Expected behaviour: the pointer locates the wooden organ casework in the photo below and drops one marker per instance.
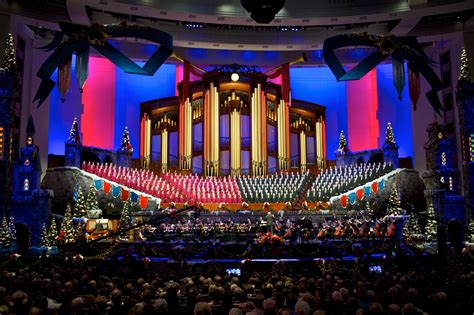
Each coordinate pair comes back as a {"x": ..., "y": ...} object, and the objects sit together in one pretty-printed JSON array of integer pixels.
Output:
[{"x": 219, "y": 127}]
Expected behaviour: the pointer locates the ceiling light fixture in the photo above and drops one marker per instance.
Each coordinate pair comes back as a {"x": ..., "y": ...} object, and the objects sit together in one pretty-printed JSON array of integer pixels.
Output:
[
  {"x": 263, "y": 11},
  {"x": 234, "y": 77}
]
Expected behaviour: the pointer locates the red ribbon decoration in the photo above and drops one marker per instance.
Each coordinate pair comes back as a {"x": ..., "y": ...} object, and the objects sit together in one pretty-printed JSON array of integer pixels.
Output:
[
  {"x": 143, "y": 202},
  {"x": 344, "y": 200},
  {"x": 124, "y": 194},
  {"x": 360, "y": 194},
  {"x": 107, "y": 187},
  {"x": 375, "y": 187}
]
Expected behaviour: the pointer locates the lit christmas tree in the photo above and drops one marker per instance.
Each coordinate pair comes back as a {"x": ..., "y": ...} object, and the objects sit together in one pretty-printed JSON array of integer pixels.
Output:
[
  {"x": 394, "y": 204},
  {"x": 431, "y": 225},
  {"x": 9, "y": 59},
  {"x": 342, "y": 141},
  {"x": 411, "y": 227},
  {"x": 368, "y": 209},
  {"x": 126, "y": 146},
  {"x": 464, "y": 72},
  {"x": 80, "y": 209},
  {"x": 67, "y": 228},
  {"x": 74, "y": 136},
  {"x": 389, "y": 138},
  {"x": 11, "y": 226},
  {"x": 125, "y": 219},
  {"x": 43, "y": 241},
  {"x": 5, "y": 235},
  {"x": 52, "y": 232},
  {"x": 91, "y": 202}
]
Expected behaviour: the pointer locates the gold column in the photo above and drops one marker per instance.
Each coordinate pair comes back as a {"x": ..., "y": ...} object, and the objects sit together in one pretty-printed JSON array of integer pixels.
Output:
[
  {"x": 211, "y": 132},
  {"x": 164, "y": 149},
  {"x": 235, "y": 141},
  {"x": 187, "y": 131},
  {"x": 303, "y": 151}
]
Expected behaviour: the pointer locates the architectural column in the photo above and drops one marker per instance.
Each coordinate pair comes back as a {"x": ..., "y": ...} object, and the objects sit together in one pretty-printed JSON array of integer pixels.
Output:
[
  {"x": 259, "y": 132},
  {"x": 283, "y": 130},
  {"x": 211, "y": 132},
  {"x": 185, "y": 128},
  {"x": 235, "y": 141}
]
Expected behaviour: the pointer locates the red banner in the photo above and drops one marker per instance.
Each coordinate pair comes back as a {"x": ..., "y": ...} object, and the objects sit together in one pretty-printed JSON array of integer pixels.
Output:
[
  {"x": 143, "y": 202},
  {"x": 107, "y": 187},
  {"x": 124, "y": 194}
]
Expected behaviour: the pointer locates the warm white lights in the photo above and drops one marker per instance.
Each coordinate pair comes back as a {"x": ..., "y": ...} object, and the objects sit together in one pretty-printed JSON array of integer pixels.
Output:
[{"x": 235, "y": 77}]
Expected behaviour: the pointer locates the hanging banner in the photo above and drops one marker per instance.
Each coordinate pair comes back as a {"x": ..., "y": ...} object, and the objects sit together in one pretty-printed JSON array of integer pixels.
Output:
[
  {"x": 375, "y": 187},
  {"x": 352, "y": 198},
  {"x": 124, "y": 194},
  {"x": 367, "y": 191},
  {"x": 343, "y": 201},
  {"x": 98, "y": 184},
  {"x": 398, "y": 73},
  {"x": 64, "y": 78},
  {"x": 414, "y": 89},
  {"x": 82, "y": 66},
  {"x": 360, "y": 194},
  {"x": 107, "y": 187},
  {"x": 143, "y": 202},
  {"x": 115, "y": 191},
  {"x": 381, "y": 184},
  {"x": 133, "y": 197}
]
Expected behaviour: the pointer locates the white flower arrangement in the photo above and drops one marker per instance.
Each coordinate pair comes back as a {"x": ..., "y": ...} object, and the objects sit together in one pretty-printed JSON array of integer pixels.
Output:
[{"x": 245, "y": 205}]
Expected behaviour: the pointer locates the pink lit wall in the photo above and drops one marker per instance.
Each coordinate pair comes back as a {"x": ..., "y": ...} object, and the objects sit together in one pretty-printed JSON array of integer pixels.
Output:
[
  {"x": 362, "y": 106},
  {"x": 97, "y": 123}
]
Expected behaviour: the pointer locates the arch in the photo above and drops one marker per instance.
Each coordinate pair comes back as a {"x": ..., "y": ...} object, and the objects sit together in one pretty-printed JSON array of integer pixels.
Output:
[
  {"x": 376, "y": 158},
  {"x": 87, "y": 156}
]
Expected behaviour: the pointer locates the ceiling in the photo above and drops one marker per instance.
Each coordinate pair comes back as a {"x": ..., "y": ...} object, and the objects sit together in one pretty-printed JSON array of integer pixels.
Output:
[{"x": 212, "y": 30}]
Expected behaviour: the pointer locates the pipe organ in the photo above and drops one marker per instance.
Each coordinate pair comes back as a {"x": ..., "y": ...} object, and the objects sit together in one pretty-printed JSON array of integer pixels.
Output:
[{"x": 219, "y": 127}]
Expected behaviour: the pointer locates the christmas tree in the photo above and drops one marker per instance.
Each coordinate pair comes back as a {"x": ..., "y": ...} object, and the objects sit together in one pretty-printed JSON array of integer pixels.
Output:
[
  {"x": 9, "y": 60},
  {"x": 43, "y": 241},
  {"x": 11, "y": 226},
  {"x": 126, "y": 146},
  {"x": 52, "y": 233},
  {"x": 67, "y": 228},
  {"x": 389, "y": 138},
  {"x": 411, "y": 227},
  {"x": 80, "y": 208},
  {"x": 92, "y": 203},
  {"x": 394, "y": 204},
  {"x": 5, "y": 235},
  {"x": 74, "y": 136},
  {"x": 125, "y": 219},
  {"x": 368, "y": 209},
  {"x": 342, "y": 141},
  {"x": 431, "y": 225},
  {"x": 464, "y": 72}
]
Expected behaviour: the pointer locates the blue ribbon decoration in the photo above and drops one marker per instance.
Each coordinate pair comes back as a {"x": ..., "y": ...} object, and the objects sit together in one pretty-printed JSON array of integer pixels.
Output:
[
  {"x": 133, "y": 197},
  {"x": 81, "y": 37},
  {"x": 367, "y": 191},
  {"x": 98, "y": 184},
  {"x": 400, "y": 48},
  {"x": 381, "y": 184},
  {"x": 115, "y": 191},
  {"x": 352, "y": 198}
]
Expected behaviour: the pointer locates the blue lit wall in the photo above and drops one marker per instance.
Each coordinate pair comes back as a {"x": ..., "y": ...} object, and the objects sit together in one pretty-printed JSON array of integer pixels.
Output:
[
  {"x": 130, "y": 91},
  {"x": 318, "y": 85},
  {"x": 62, "y": 114},
  {"x": 393, "y": 110}
]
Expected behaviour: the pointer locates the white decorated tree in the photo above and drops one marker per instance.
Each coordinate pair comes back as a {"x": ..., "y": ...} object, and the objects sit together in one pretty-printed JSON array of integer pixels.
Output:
[
  {"x": 125, "y": 219},
  {"x": 11, "y": 226},
  {"x": 431, "y": 225},
  {"x": 389, "y": 137},
  {"x": 52, "y": 232},
  {"x": 74, "y": 135},
  {"x": 126, "y": 145},
  {"x": 411, "y": 227},
  {"x": 5, "y": 234},
  {"x": 9, "y": 59},
  {"x": 464, "y": 72},
  {"x": 43, "y": 241},
  {"x": 80, "y": 205},
  {"x": 91, "y": 202},
  {"x": 394, "y": 207},
  {"x": 67, "y": 226},
  {"x": 342, "y": 141}
]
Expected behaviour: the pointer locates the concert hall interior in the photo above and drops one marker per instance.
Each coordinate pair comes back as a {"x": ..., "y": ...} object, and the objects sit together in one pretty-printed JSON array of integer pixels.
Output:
[{"x": 230, "y": 138}]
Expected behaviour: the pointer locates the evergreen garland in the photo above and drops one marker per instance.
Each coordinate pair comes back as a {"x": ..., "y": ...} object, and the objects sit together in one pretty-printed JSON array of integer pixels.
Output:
[
  {"x": 9, "y": 59},
  {"x": 464, "y": 72},
  {"x": 52, "y": 232},
  {"x": 74, "y": 136},
  {"x": 5, "y": 235},
  {"x": 67, "y": 228},
  {"x": 91, "y": 202},
  {"x": 125, "y": 219},
  {"x": 431, "y": 225},
  {"x": 43, "y": 241},
  {"x": 126, "y": 146},
  {"x": 389, "y": 138},
  {"x": 394, "y": 204}
]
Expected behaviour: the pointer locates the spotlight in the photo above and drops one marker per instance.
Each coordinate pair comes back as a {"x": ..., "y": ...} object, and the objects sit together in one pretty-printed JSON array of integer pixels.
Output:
[
  {"x": 234, "y": 77},
  {"x": 263, "y": 11}
]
